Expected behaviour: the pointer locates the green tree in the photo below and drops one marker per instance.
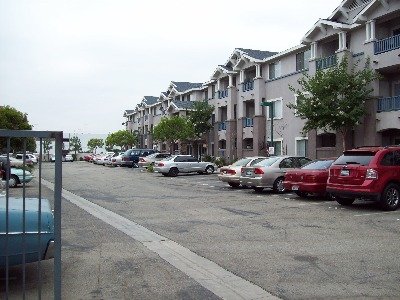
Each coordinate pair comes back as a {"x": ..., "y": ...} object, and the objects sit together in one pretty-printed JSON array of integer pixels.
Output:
[
  {"x": 334, "y": 98},
  {"x": 200, "y": 117},
  {"x": 75, "y": 145},
  {"x": 121, "y": 138},
  {"x": 173, "y": 129},
  {"x": 47, "y": 146},
  {"x": 93, "y": 144},
  {"x": 13, "y": 119}
]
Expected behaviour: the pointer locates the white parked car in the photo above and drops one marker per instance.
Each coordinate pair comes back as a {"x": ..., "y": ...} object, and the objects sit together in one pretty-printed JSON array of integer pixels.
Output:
[
  {"x": 176, "y": 164},
  {"x": 116, "y": 160},
  {"x": 28, "y": 157},
  {"x": 69, "y": 158}
]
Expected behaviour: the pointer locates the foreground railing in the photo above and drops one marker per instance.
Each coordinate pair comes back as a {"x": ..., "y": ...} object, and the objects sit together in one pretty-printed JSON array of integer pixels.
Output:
[
  {"x": 326, "y": 62},
  {"x": 29, "y": 231},
  {"x": 388, "y": 104},
  {"x": 388, "y": 44}
]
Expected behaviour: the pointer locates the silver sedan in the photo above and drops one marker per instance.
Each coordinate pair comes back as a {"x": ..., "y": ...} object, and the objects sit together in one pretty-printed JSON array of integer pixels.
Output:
[
  {"x": 270, "y": 172},
  {"x": 176, "y": 164},
  {"x": 231, "y": 173}
]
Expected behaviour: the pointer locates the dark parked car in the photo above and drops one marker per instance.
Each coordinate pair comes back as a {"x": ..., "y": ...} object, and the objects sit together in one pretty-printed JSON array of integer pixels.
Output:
[
  {"x": 310, "y": 179},
  {"x": 370, "y": 173},
  {"x": 131, "y": 157}
]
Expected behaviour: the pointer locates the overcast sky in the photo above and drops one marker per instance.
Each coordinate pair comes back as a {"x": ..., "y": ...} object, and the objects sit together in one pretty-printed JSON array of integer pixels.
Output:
[{"x": 77, "y": 65}]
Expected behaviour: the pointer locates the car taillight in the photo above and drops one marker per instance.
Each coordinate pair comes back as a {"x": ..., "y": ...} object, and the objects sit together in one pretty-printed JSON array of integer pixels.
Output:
[
  {"x": 258, "y": 171},
  {"x": 142, "y": 159},
  {"x": 242, "y": 170},
  {"x": 160, "y": 164},
  {"x": 371, "y": 174},
  {"x": 231, "y": 172}
]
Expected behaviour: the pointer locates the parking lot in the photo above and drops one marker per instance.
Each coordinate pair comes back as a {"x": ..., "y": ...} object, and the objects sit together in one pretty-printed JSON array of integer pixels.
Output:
[{"x": 292, "y": 248}]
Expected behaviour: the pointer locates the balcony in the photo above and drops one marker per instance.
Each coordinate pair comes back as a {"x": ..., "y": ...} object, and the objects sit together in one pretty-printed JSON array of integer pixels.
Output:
[
  {"x": 248, "y": 122},
  {"x": 388, "y": 44},
  {"x": 247, "y": 86},
  {"x": 221, "y": 126},
  {"x": 326, "y": 62},
  {"x": 222, "y": 94},
  {"x": 388, "y": 104}
]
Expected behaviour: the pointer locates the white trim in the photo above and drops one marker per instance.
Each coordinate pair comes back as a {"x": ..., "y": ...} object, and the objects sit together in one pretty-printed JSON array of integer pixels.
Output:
[
  {"x": 275, "y": 100},
  {"x": 299, "y": 138}
]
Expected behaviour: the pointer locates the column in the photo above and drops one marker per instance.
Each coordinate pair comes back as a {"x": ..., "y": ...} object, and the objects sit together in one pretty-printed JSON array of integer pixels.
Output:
[
  {"x": 313, "y": 51},
  {"x": 258, "y": 71},
  {"x": 241, "y": 76},
  {"x": 230, "y": 80},
  {"x": 372, "y": 25}
]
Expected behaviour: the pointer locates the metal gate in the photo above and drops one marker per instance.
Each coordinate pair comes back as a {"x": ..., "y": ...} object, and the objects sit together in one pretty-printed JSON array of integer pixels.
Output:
[{"x": 30, "y": 231}]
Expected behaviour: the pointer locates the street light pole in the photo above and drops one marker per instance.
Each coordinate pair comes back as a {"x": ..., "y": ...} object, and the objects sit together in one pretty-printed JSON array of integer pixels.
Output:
[{"x": 271, "y": 115}]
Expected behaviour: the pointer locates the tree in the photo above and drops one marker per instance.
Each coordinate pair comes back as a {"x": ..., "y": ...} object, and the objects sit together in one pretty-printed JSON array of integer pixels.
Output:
[
  {"x": 47, "y": 146},
  {"x": 13, "y": 119},
  {"x": 75, "y": 145},
  {"x": 200, "y": 117},
  {"x": 334, "y": 98},
  {"x": 93, "y": 144},
  {"x": 173, "y": 129},
  {"x": 121, "y": 138}
]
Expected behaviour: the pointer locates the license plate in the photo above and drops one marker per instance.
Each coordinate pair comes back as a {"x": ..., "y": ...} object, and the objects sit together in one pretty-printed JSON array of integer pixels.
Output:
[
  {"x": 248, "y": 173},
  {"x": 295, "y": 188},
  {"x": 344, "y": 172}
]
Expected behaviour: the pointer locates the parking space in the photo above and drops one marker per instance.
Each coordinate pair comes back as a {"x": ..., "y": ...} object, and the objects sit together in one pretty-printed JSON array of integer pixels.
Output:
[{"x": 291, "y": 247}]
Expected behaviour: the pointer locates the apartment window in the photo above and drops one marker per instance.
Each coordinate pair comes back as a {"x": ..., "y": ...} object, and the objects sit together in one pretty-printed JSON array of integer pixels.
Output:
[
  {"x": 274, "y": 70},
  {"x": 212, "y": 91},
  {"x": 188, "y": 97},
  {"x": 206, "y": 94},
  {"x": 277, "y": 104},
  {"x": 302, "y": 59},
  {"x": 326, "y": 140},
  {"x": 301, "y": 146}
]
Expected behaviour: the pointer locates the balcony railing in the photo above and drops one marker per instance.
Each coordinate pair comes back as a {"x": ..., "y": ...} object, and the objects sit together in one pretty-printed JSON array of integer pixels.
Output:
[
  {"x": 221, "y": 126},
  {"x": 388, "y": 104},
  {"x": 247, "y": 122},
  {"x": 248, "y": 86},
  {"x": 326, "y": 62},
  {"x": 222, "y": 94},
  {"x": 388, "y": 44}
]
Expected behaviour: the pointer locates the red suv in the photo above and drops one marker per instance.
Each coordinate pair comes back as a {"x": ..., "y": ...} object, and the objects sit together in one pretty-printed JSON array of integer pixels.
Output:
[{"x": 370, "y": 173}]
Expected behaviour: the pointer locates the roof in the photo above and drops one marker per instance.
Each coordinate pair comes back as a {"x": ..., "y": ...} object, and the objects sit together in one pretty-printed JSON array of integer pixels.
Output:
[
  {"x": 128, "y": 112},
  {"x": 185, "y": 86},
  {"x": 150, "y": 100},
  {"x": 257, "y": 54},
  {"x": 182, "y": 105}
]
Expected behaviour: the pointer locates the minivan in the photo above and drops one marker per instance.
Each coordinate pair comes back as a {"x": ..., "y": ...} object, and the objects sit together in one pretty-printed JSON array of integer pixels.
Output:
[{"x": 131, "y": 157}]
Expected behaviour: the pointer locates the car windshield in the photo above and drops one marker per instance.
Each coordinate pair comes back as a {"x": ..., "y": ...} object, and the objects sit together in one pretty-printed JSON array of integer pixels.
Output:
[
  {"x": 135, "y": 152},
  {"x": 355, "y": 158},
  {"x": 241, "y": 162},
  {"x": 318, "y": 165},
  {"x": 267, "y": 162}
]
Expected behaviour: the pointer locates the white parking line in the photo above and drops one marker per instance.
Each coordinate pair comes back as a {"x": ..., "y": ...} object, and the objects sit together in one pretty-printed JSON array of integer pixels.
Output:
[
  {"x": 211, "y": 276},
  {"x": 377, "y": 213}
]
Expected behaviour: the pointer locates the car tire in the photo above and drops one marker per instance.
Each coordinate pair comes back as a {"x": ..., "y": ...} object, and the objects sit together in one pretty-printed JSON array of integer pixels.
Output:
[
  {"x": 209, "y": 170},
  {"x": 173, "y": 172},
  {"x": 344, "y": 201},
  {"x": 278, "y": 185},
  {"x": 390, "y": 198},
  {"x": 301, "y": 194},
  {"x": 258, "y": 189},
  {"x": 12, "y": 183},
  {"x": 235, "y": 185}
]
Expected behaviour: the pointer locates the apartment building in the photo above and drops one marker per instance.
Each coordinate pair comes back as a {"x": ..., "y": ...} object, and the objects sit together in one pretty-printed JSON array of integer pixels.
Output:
[{"x": 357, "y": 29}]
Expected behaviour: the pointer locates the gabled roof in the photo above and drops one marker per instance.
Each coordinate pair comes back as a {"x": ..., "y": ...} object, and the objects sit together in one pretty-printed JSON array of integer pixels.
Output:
[
  {"x": 149, "y": 100},
  {"x": 182, "y": 105},
  {"x": 128, "y": 112},
  {"x": 181, "y": 87},
  {"x": 371, "y": 6},
  {"x": 321, "y": 25},
  {"x": 256, "y": 54}
]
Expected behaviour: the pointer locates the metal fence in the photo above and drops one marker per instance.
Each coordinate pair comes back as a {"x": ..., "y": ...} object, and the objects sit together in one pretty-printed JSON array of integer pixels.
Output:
[{"x": 29, "y": 231}]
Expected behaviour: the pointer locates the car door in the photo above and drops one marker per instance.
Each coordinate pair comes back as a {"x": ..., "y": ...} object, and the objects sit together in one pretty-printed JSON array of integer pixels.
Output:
[
  {"x": 194, "y": 165},
  {"x": 287, "y": 164},
  {"x": 181, "y": 163}
]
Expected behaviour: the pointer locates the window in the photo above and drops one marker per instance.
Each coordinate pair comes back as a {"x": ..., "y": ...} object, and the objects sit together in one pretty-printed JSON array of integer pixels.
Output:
[
  {"x": 274, "y": 70},
  {"x": 248, "y": 144},
  {"x": 277, "y": 108},
  {"x": 301, "y": 146},
  {"x": 188, "y": 97},
  {"x": 302, "y": 59},
  {"x": 212, "y": 91},
  {"x": 206, "y": 94},
  {"x": 287, "y": 163},
  {"x": 387, "y": 160},
  {"x": 256, "y": 161},
  {"x": 277, "y": 144},
  {"x": 326, "y": 140},
  {"x": 192, "y": 159}
]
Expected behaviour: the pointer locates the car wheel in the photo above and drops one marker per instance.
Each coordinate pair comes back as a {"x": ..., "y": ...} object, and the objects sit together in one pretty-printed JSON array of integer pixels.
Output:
[
  {"x": 344, "y": 201},
  {"x": 278, "y": 185},
  {"x": 209, "y": 170},
  {"x": 13, "y": 181},
  {"x": 302, "y": 194},
  {"x": 390, "y": 198},
  {"x": 173, "y": 172},
  {"x": 258, "y": 189},
  {"x": 234, "y": 184}
]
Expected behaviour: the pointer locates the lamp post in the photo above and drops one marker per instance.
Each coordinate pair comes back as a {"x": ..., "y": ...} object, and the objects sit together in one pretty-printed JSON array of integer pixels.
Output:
[{"x": 271, "y": 115}]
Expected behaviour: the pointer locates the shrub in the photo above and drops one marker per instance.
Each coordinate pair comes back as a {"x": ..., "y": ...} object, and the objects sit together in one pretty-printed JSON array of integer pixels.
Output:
[
  {"x": 220, "y": 161},
  {"x": 150, "y": 168}
]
